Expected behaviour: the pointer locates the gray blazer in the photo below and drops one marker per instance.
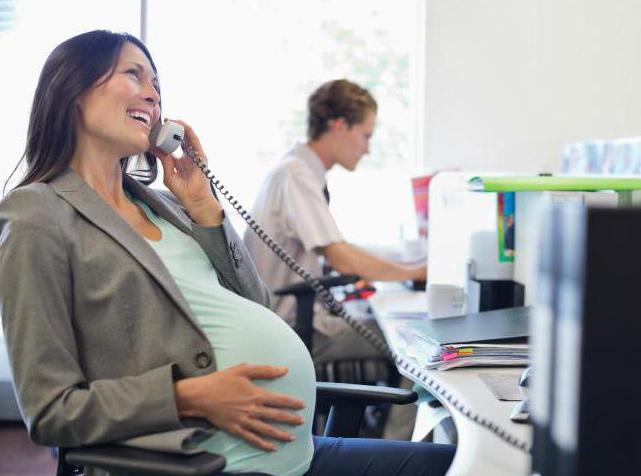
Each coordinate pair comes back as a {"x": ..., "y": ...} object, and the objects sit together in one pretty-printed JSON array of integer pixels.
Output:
[{"x": 96, "y": 329}]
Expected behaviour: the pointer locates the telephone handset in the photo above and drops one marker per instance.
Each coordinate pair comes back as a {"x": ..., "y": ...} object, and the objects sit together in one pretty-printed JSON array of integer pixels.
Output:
[
  {"x": 167, "y": 136},
  {"x": 170, "y": 135}
]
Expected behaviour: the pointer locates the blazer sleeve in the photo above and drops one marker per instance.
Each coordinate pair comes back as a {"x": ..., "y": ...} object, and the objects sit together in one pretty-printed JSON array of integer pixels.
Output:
[
  {"x": 59, "y": 406},
  {"x": 230, "y": 257}
]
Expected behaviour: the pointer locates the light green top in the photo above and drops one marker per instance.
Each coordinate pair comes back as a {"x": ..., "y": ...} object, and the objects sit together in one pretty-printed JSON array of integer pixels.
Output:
[
  {"x": 527, "y": 183},
  {"x": 241, "y": 331}
]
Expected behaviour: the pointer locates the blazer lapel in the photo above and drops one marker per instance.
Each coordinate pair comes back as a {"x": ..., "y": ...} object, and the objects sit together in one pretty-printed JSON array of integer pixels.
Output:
[{"x": 75, "y": 191}]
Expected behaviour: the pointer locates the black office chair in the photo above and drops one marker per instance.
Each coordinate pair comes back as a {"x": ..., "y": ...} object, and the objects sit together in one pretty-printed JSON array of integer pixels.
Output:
[
  {"x": 361, "y": 371},
  {"x": 372, "y": 371},
  {"x": 347, "y": 402}
]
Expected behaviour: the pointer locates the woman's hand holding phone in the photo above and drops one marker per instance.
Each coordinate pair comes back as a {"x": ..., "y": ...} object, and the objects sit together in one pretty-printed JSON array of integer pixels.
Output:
[{"x": 187, "y": 182}]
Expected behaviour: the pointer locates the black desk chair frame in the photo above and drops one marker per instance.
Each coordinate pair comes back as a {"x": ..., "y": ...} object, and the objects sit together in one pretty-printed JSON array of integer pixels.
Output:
[
  {"x": 347, "y": 402},
  {"x": 345, "y": 371},
  {"x": 305, "y": 297}
]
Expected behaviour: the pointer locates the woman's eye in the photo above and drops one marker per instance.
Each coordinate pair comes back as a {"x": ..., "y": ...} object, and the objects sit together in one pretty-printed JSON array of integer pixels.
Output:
[{"x": 133, "y": 72}]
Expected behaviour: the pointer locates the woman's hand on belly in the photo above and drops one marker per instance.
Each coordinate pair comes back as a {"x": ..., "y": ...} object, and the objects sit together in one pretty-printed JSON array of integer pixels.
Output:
[{"x": 230, "y": 401}]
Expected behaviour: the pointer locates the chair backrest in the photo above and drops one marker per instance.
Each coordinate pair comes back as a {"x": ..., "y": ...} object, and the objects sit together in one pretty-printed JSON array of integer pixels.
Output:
[
  {"x": 305, "y": 297},
  {"x": 361, "y": 371}
]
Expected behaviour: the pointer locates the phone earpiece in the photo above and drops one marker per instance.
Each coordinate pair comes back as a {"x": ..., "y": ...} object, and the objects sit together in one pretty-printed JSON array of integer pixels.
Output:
[{"x": 167, "y": 137}]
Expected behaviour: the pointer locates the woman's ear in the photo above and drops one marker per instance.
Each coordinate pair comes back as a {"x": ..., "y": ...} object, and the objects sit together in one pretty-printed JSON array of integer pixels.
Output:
[{"x": 77, "y": 113}]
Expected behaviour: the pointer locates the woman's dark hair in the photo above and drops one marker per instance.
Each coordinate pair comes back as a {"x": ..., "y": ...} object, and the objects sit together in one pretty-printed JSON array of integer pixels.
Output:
[
  {"x": 336, "y": 99},
  {"x": 72, "y": 68}
]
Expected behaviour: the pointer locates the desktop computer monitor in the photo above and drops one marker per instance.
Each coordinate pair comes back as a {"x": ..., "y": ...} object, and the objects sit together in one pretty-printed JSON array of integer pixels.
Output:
[{"x": 586, "y": 384}]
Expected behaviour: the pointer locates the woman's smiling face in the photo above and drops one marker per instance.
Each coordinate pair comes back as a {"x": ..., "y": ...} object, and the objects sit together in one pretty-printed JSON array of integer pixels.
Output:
[{"x": 120, "y": 110}]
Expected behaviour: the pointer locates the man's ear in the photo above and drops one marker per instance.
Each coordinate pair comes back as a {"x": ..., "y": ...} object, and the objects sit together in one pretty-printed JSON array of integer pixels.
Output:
[{"x": 337, "y": 124}]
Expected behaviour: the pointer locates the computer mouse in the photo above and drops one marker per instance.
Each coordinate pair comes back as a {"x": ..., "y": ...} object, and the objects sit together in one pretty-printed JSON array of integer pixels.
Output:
[{"x": 524, "y": 379}]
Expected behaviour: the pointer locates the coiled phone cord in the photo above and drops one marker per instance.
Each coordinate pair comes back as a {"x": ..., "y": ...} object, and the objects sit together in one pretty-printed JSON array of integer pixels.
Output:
[{"x": 337, "y": 308}]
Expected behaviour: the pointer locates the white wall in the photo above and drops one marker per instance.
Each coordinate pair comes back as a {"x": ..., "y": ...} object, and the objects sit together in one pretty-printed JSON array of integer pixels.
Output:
[{"x": 509, "y": 82}]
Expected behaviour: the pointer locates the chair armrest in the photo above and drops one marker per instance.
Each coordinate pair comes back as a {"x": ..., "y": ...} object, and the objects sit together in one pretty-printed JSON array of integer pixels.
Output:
[
  {"x": 347, "y": 393},
  {"x": 327, "y": 281},
  {"x": 348, "y": 402},
  {"x": 123, "y": 458}
]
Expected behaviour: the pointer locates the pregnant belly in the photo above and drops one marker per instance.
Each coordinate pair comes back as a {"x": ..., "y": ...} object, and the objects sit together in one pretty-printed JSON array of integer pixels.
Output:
[{"x": 262, "y": 338}]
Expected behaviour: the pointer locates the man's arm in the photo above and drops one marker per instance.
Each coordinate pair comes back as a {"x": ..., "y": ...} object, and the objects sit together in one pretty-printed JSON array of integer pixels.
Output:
[{"x": 350, "y": 259}]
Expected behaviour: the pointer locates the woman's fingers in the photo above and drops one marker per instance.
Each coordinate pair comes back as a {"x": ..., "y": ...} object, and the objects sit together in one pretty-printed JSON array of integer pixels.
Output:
[
  {"x": 266, "y": 430},
  {"x": 166, "y": 160},
  {"x": 232, "y": 402},
  {"x": 260, "y": 371},
  {"x": 271, "y": 399},
  {"x": 280, "y": 416},
  {"x": 255, "y": 432},
  {"x": 191, "y": 139},
  {"x": 184, "y": 165},
  {"x": 252, "y": 438}
]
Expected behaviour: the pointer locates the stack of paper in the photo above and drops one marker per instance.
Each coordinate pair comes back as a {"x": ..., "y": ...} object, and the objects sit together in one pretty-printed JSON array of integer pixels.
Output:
[
  {"x": 456, "y": 342},
  {"x": 466, "y": 355}
]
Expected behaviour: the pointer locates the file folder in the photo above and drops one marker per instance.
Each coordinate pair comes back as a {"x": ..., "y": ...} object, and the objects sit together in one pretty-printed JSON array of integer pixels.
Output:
[{"x": 502, "y": 325}]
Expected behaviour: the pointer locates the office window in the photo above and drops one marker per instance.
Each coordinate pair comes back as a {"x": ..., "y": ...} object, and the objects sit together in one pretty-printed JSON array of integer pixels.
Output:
[
  {"x": 29, "y": 30},
  {"x": 240, "y": 72}
]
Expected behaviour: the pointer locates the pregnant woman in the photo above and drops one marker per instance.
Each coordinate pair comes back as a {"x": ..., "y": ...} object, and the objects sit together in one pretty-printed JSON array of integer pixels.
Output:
[{"x": 136, "y": 313}]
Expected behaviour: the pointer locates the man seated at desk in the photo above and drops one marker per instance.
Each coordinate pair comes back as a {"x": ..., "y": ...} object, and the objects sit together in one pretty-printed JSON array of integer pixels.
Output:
[{"x": 292, "y": 206}]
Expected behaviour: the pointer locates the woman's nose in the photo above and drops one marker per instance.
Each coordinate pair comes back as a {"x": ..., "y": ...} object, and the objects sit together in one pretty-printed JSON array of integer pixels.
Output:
[{"x": 151, "y": 94}]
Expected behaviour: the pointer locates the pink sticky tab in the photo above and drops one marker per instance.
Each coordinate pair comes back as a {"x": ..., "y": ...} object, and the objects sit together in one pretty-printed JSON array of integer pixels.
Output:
[{"x": 449, "y": 355}]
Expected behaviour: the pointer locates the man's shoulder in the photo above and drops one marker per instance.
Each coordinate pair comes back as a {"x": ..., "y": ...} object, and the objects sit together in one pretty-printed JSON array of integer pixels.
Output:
[{"x": 293, "y": 165}]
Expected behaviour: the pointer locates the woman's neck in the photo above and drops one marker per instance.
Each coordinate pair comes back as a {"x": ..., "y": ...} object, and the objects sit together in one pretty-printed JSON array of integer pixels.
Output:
[{"x": 104, "y": 175}]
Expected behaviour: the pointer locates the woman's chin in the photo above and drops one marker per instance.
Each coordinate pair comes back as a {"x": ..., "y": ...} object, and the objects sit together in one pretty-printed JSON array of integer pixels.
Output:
[{"x": 139, "y": 147}]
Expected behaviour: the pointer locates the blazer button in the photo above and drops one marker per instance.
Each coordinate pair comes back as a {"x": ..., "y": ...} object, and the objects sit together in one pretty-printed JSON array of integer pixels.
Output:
[{"x": 203, "y": 360}]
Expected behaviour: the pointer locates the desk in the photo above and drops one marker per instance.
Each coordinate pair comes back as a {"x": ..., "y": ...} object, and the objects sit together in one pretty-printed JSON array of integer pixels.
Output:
[{"x": 479, "y": 451}]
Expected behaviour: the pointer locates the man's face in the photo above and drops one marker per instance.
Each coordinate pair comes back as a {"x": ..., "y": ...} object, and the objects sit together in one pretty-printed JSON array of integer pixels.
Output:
[{"x": 352, "y": 142}]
